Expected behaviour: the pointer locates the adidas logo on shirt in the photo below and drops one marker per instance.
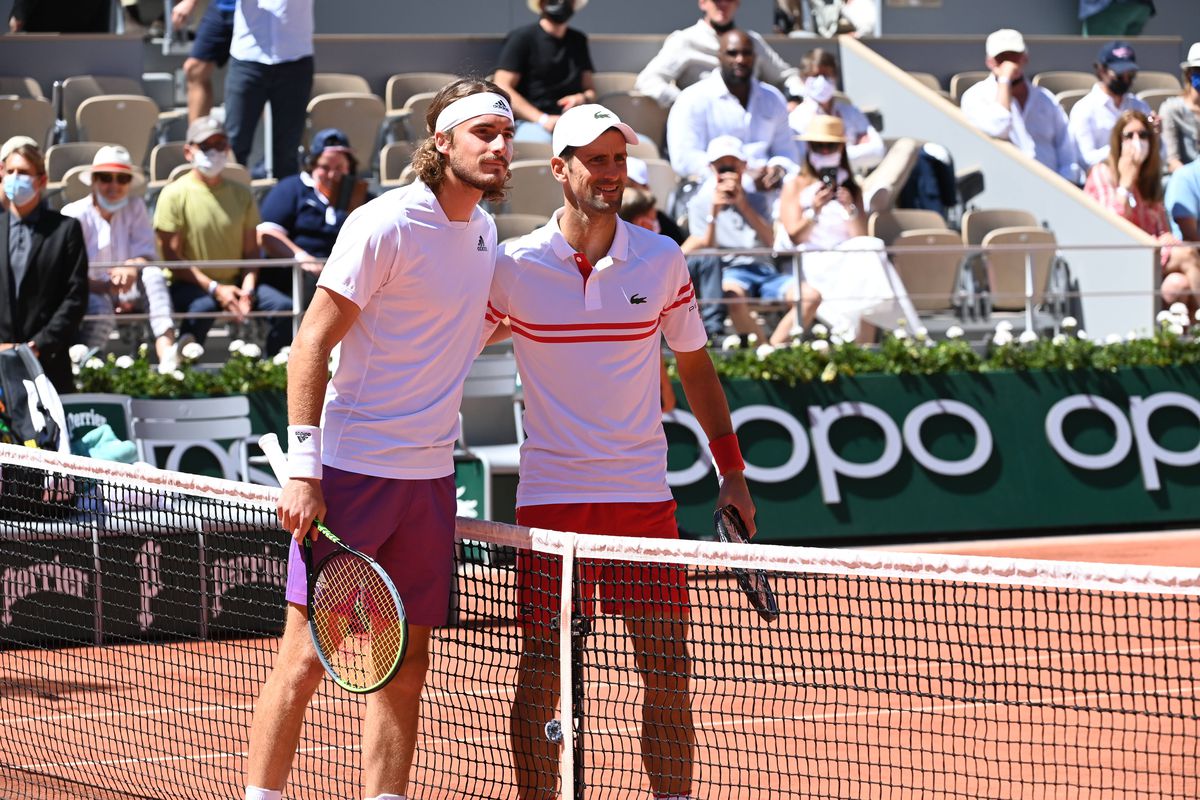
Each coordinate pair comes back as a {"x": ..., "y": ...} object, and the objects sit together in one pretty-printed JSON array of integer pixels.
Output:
[{"x": 482, "y": 246}]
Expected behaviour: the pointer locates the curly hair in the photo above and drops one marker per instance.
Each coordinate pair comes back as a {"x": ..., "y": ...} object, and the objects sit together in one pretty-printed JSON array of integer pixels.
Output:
[{"x": 429, "y": 164}]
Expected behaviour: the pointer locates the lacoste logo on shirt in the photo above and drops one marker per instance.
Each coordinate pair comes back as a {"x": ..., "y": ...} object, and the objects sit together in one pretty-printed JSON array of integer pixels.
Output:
[
  {"x": 481, "y": 247},
  {"x": 303, "y": 436},
  {"x": 636, "y": 299}
]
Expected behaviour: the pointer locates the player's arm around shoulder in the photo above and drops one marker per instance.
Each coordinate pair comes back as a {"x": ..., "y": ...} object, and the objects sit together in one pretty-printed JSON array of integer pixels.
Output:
[{"x": 706, "y": 399}]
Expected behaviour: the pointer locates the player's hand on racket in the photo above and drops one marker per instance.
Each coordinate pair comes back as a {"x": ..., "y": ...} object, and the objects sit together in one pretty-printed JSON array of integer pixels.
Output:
[
  {"x": 300, "y": 503},
  {"x": 734, "y": 492}
]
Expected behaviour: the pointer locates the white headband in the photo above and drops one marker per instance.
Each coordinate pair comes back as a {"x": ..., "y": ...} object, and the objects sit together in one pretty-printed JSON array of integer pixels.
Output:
[{"x": 471, "y": 106}]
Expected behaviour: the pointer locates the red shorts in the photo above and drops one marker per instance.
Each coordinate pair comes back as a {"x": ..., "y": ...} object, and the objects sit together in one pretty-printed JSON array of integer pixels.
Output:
[{"x": 627, "y": 588}]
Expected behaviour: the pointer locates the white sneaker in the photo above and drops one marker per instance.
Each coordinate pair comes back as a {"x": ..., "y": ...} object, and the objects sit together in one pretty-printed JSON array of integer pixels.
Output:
[{"x": 169, "y": 361}]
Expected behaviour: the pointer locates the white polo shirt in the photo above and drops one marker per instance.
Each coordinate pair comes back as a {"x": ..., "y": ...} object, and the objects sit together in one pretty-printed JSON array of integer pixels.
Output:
[
  {"x": 1092, "y": 119},
  {"x": 588, "y": 353},
  {"x": 421, "y": 282}
]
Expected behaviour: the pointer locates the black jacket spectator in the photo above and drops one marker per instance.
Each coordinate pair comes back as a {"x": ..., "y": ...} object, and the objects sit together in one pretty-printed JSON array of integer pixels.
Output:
[
  {"x": 49, "y": 306},
  {"x": 60, "y": 16}
]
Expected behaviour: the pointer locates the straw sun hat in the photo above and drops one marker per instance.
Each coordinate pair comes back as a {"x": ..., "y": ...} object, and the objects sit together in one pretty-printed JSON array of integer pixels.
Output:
[{"x": 824, "y": 129}]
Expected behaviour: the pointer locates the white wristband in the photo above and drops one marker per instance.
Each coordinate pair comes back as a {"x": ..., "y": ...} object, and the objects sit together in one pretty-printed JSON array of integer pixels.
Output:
[{"x": 304, "y": 451}]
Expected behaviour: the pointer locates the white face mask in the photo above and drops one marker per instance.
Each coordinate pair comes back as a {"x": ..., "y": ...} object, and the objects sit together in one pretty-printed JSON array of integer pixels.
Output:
[
  {"x": 819, "y": 88},
  {"x": 210, "y": 164},
  {"x": 110, "y": 206},
  {"x": 1139, "y": 148},
  {"x": 824, "y": 160}
]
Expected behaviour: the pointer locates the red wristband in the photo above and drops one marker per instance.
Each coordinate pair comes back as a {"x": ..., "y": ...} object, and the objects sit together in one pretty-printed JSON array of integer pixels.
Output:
[{"x": 727, "y": 454}]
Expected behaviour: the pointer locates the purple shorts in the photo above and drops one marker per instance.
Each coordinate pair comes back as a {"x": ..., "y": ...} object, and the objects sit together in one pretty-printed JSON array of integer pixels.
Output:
[{"x": 405, "y": 525}]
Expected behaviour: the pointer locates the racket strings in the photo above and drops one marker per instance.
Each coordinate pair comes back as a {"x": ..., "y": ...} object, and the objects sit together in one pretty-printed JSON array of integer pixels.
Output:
[{"x": 357, "y": 626}]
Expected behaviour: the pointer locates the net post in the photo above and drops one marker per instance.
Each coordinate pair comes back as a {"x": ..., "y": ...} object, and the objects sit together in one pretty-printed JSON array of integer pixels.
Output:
[{"x": 566, "y": 764}]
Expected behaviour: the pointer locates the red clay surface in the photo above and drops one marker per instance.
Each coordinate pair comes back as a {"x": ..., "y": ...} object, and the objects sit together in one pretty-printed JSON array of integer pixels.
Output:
[{"x": 863, "y": 696}]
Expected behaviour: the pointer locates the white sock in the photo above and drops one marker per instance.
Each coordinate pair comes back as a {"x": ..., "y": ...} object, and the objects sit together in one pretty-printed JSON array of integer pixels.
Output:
[{"x": 255, "y": 793}]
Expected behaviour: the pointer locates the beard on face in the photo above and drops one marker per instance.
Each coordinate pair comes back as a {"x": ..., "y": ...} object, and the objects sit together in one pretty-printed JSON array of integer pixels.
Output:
[
  {"x": 592, "y": 202},
  {"x": 472, "y": 174}
]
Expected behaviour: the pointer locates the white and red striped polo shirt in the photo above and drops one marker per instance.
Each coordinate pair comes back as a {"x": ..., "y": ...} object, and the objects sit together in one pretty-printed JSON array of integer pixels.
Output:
[{"x": 587, "y": 342}]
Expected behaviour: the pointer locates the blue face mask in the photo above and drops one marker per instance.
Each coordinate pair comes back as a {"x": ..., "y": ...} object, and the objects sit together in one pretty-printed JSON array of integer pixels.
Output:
[
  {"x": 109, "y": 206},
  {"x": 1196, "y": 81},
  {"x": 19, "y": 189}
]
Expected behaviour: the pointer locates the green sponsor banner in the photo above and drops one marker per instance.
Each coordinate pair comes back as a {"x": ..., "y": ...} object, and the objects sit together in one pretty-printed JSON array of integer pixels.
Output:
[{"x": 910, "y": 456}]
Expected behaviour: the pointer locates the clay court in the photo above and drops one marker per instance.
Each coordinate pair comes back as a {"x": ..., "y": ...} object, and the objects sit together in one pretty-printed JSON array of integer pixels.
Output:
[{"x": 880, "y": 688}]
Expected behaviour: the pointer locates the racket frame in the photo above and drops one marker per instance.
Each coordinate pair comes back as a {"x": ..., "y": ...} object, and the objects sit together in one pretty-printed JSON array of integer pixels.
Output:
[{"x": 761, "y": 596}]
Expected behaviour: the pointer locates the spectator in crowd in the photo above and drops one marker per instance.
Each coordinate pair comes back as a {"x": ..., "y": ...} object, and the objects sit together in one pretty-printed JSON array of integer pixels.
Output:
[
  {"x": 821, "y": 208},
  {"x": 722, "y": 214},
  {"x": 12, "y": 144},
  {"x": 1095, "y": 113},
  {"x": 203, "y": 217},
  {"x": 546, "y": 69},
  {"x": 820, "y": 70},
  {"x": 117, "y": 230},
  {"x": 1114, "y": 17},
  {"x": 732, "y": 102},
  {"x": 691, "y": 53},
  {"x": 1007, "y": 106},
  {"x": 1181, "y": 115},
  {"x": 271, "y": 61},
  {"x": 60, "y": 16},
  {"x": 302, "y": 214},
  {"x": 638, "y": 177},
  {"x": 43, "y": 269},
  {"x": 210, "y": 50},
  {"x": 1183, "y": 210},
  {"x": 1128, "y": 183}
]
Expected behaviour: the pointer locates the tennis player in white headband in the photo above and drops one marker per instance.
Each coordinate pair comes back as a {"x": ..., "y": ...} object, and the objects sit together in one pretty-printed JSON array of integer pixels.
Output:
[{"x": 404, "y": 293}]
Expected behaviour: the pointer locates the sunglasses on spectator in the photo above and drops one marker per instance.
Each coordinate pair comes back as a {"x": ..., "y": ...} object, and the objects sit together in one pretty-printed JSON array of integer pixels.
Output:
[
  {"x": 824, "y": 147},
  {"x": 1127, "y": 135},
  {"x": 108, "y": 177}
]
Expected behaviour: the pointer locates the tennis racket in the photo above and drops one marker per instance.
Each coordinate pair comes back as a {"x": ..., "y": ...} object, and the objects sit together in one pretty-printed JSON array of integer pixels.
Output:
[
  {"x": 753, "y": 582},
  {"x": 355, "y": 614}
]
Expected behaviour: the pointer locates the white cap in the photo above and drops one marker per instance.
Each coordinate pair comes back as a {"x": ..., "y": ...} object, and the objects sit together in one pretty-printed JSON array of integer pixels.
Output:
[
  {"x": 637, "y": 171},
  {"x": 723, "y": 146},
  {"x": 1193, "y": 59},
  {"x": 1005, "y": 40},
  {"x": 582, "y": 125},
  {"x": 14, "y": 143},
  {"x": 114, "y": 159}
]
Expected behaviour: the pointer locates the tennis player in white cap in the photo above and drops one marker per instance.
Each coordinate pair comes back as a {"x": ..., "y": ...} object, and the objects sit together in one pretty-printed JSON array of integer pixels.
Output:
[
  {"x": 403, "y": 293},
  {"x": 587, "y": 297}
]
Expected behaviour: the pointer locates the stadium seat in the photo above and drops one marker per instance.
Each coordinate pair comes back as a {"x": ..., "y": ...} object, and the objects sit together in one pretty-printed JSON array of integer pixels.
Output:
[
  {"x": 404, "y": 85},
  {"x": 930, "y": 80},
  {"x": 532, "y": 151},
  {"x": 934, "y": 280},
  {"x": 164, "y": 158},
  {"x": 645, "y": 149},
  {"x": 359, "y": 116},
  {"x": 1056, "y": 81},
  {"x": 26, "y": 116},
  {"x": 1006, "y": 270},
  {"x": 639, "y": 112},
  {"x": 331, "y": 82},
  {"x": 1151, "y": 79},
  {"x": 411, "y": 118},
  {"x": 977, "y": 224},
  {"x": 888, "y": 225},
  {"x": 961, "y": 81},
  {"x": 1069, "y": 97},
  {"x": 510, "y": 226},
  {"x": 199, "y": 423},
  {"x": 533, "y": 189},
  {"x": 662, "y": 179},
  {"x": 1156, "y": 97},
  {"x": 127, "y": 119},
  {"x": 393, "y": 158},
  {"x": 492, "y": 408},
  {"x": 78, "y": 88},
  {"x": 21, "y": 86},
  {"x": 883, "y": 185},
  {"x": 61, "y": 157},
  {"x": 613, "y": 82}
]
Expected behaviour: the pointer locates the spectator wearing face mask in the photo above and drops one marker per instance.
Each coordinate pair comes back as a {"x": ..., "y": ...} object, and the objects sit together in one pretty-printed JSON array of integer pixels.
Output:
[
  {"x": 546, "y": 69},
  {"x": 1093, "y": 117},
  {"x": 1128, "y": 183},
  {"x": 864, "y": 145},
  {"x": 204, "y": 217},
  {"x": 1006, "y": 105},
  {"x": 117, "y": 229},
  {"x": 1181, "y": 116}
]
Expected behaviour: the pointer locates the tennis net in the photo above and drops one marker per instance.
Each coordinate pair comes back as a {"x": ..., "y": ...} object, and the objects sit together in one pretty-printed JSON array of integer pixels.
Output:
[{"x": 139, "y": 614}]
